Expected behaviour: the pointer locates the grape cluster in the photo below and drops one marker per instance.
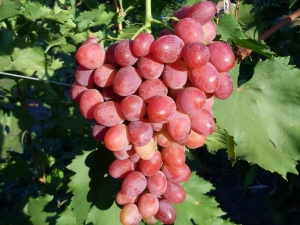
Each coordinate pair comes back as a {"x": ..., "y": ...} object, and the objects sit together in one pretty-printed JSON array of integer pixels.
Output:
[{"x": 150, "y": 99}]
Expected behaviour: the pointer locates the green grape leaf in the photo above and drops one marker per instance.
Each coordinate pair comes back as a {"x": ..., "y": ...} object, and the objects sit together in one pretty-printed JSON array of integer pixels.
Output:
[
  {"x": 263, "y": 116},
  {"x": 100, "y": 16},
  {"x": 256, "y": 46},
  {"x": 66, "y": 217},
  {"x": 6, "y": 84},
  {"x": 36, "y": 209},
  {"x": 128, "y": 32},
  {"x": 229, "y": 28},
  {"x": 9, "y": 9},
  {"x": 245, "y": 15},
  {"x": 216, "y": 140}
]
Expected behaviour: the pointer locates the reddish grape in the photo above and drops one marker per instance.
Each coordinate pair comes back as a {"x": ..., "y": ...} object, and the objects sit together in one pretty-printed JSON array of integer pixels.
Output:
[
  {"x": 164, "y": 32},
  {"x": 133, "y": 107},
  {"x": 104, "y": 75},
  {"x": 149, "y": 67},
  {"x": 174, "y": 154},
  {"x": 189, "y": 30},
  {"x": 166, "y": 212},
  {"x": 178, "y": 174},
  {"x": 156, "y": 126},
  {"x": 203, "y": 122},
  {"x": 116, "y": 138},
  {"x": 99, "y": 131},
  {"x": 175, "y": 74},
  {"x": 157, "y": 183},
  {"x": 134, "y": 184},
  {"x": 127, "y": 80},
  {"x": 120, "y": 168},
  {"x": 110, "y": 95},
  {"x": 174, "y": 193},
  {"x": 210, "y": 31},
  {"x": 83, "y": 76},
  {"x": 76, "y": 91},
  {"x": 133, "y": 156},
  {"x": 123, "y": 154},
  {"x": 142, "y": 44},
  {"x": 123, "y": 53},
  {"x": 167, "y": 48},
  {"x": 195, "y": 140},
  {"x": 179, "y": 127},
  {"x": 163, "y": 137},
  {"x": 151, "y": 88},
  {"x": 108, "y": 113},
  {"x": 90, "y": 55},
  {"x": 122, "y": 199},
  {"x": 130, "y": 215},
  {"x": 91, "y": 40},
  {"x": 225, "y": 88},
  {"x": 151, "y": 166},
  {"x": 140, "y": 133},
  {"x": 88, "y": 102},
  {"x": 148, "y": 205},
  {"x": 221, "y": 56},
  {"x": 181, "y": 14},
  {"x": 203, "y": 11},
  {"x": 110, "y": 55},
  {"x": 195, "y": 54},
  {"x": 147, "y": 151},
  {"x": 161, "y": 109},
  {"x": 206, "y": 78},
  {"x": 190, "y": 100}
]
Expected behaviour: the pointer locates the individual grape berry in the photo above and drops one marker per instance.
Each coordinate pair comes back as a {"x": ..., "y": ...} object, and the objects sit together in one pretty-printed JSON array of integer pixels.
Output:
[
  {"x": 122, "y": 199},
  {"x": 84, "y": 76},
  {"x": 147, "y": 151},
  {"x": 181, "y": 14},
  {"x": 127, "y": 80},
  {"x": 148, "y": 205},
  {"x": 91, "y": 40},
  {"x": 174, "y": 154},
  {"x": 167, "y": 48},
  {"x": 161, "y": 109},
  {"x": 123, "y": 53},
  {"x": 203, "y": 123},
  {"x": 195, "y": 54},
  {"x": 150, "y": 220},
  {"x": 140, "y": 133},
  {"x": 151, "y": 166},
  {"x": 110, "y": 95},
  {"x": 130, "y": 215},
  {"x": 133, "y": 155},
  {"x": 179, "y": 127},
  {"x": 203, "y": 11},
  {"x": 174, "y": 193},
  {"x": 189, "y": 30},
  {"x": 88, "y": 102},
  {"x": 133, "y": 107},
  {"x": 134, "y": 184},
  {"x": 225, "y": 88},
  {"x": 90, "y": 55},
  {"x": 175, "y": 75},
  {"x": 221, "y": 56},
  {"x": 178, "y": 174},
  {"x": 157, "y": 183},
  {"x": 110, "y": 56},
  {"x": 166, "y": 212},
  {"x": 210, "y": 31},
  {"x": 108, "y": 113},
  {"x": 120, "y": 168},
  {"x": 99, "y": 131},
  {"x": 195, "y": 140},
  {"x": 142, "y": 44},
  {"x": 163, "y": 137},
  {"x": 104, "y": 75},
  {"x": 164, "y": 32},
  {"x": 123, "y": 154},
  {"x": 149, "y": 67},
  {"x": 116, "y": 138},
  {"x": 151, "y": 88},
  {"x": 76, "y": 91}
]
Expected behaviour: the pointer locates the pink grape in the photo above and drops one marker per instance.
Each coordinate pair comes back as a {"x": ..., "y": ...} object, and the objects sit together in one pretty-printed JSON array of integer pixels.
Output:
[
  {"x": 195, "y": 140},
  {"x": 76, "y": 91},
  {"x": 157, "y": 183},
  {"x": 210, "y": 31},
  {"x": 163, "y": 137},
  {"x": 174, "y": 193},
  {"x": 156, "y": 126},
  {"x": 203, "y": 11},
  {"x": 123, "y": 53},
  {"x": 130, "y": 215},
  {"x": 90, "y": 55},
  {"x": 134, "y": 184},
  {"x": 120, "y": 168},
  {"x": 225, "y": 88},
  {"x": 110, "y": 55},
  {"x": 175, "y": 74},
  {"x": 133, "y": 156},
  {"x": 88, "y": 102},
  {"x": 195, "y": 54},
  {"x": 83, "y": 76},
  {"x": 166, "y": 212},
  {"x": 151, "y": 166},
  {"x": 91, "y": 40},
  {"x": 123, "y": 154},
  {"x": 167, "y": 48},
  {"x": 179, "y": 127},
  {"x": 190, "y": 100},
  {"x": 149, "y": 67},
  {"x": 206, "y": 78},
  {"x": 151, "y": 88},
  {"x": 140, "y": 133},
  {"x": 174, "y": 154},
  {"x": 203, "y": 122},
  {"x": 122, "y": 199},
  {"x": 108, "y": 113},
  {"x": 133, "y": 107},
  {"x": 221, "y": 56},
  {"x": 178, "y": 174},
  {"x": 181, "y": 14},
  {"x": 164, "y": 32},
  {"x": 99, "y": 131},
  {"x": 127, "y": 80},
  {"x": 142, "y": 44},
  {"x": 110, "y": 95},
  {"x": 189, "y": 30},
  {"x": 148, "y": 205},
  {"x": 116, "y": 138},
  {"x": 147, "y": 151},
  {"x": 104, "y": 75}
]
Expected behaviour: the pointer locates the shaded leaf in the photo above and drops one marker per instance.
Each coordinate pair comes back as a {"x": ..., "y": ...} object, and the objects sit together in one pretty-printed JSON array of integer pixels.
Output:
[
  {"x": 256, "y": 46},
  {"x": 16, "y": 168}
]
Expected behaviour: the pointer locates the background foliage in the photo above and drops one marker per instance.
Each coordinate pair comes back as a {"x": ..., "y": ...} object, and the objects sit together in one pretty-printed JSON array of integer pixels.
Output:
[{"x": 53, "y": 172}]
